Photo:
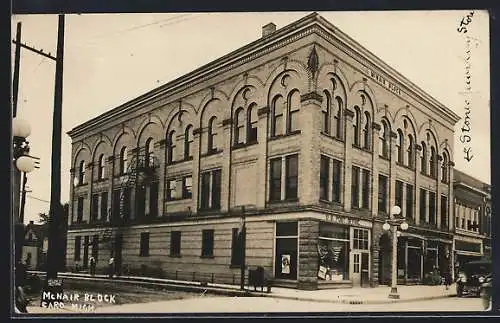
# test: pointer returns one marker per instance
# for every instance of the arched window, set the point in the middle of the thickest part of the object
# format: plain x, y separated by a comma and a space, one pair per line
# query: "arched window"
338, 118
123, 160
409, 151
252, 120
355, 126
293, 111
100, 167
423, 159
325, 112
432, 163
277, 116
188, 142
366, 131
148, 152
171, 146
400, 146
81, 173
444, 168
384, 139
212, 135
239, 126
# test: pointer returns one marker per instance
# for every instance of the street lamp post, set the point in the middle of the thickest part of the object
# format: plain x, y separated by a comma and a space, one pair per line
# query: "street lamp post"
23, 164
395, 221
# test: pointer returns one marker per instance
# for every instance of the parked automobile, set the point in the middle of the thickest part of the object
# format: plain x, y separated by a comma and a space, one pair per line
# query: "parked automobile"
471, 276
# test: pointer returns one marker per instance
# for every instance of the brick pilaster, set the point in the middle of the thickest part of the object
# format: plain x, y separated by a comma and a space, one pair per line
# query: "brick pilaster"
375, 158
310, 125
196, 168
308, 254
262, 173
226, 165
348, 160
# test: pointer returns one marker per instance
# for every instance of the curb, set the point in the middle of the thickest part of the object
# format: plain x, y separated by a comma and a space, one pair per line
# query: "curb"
197, 287
339, 300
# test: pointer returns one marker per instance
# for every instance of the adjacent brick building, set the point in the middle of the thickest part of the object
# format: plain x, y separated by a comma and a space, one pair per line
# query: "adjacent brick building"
303, 133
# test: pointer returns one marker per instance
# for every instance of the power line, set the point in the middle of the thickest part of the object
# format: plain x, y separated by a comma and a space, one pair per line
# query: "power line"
37, 198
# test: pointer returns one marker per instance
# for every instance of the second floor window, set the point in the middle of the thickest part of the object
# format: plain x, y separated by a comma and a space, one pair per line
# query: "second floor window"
355, 186
79, 214
366, 131
104, 206
400, 147
432, 208
433, 163
325, 112
95, 207
292, 175
148, 153
384, 139
365, 190
323, 177
356, 127
275, 179
444, 168
382, 193
409, 201
423, 159
423, 205
293, 112
399, 194
187, 187
210, 190
444, 212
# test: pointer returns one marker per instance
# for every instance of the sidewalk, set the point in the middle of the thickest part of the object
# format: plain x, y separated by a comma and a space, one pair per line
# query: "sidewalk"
357, 295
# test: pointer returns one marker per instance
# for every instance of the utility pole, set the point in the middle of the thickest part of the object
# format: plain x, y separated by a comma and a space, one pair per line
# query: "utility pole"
54, 248
17, 62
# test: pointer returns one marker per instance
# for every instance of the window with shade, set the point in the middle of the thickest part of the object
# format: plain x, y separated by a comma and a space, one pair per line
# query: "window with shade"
171, 144
423, 205
355, 186
423, 159
293, 112
444, 212
123, 160
188, 142
212, 135
338, 118
210, 190
292, 175
239, 127
323, 177
409, 201
252, 120
148, 153
365, 189
384, 133
399, 194
325, 112
100, 167
382, 193
356, 126
432, 208
366, 131
81, 173
277, 116
275, 179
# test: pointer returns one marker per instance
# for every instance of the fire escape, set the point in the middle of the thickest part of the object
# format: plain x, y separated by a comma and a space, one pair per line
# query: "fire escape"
141, 173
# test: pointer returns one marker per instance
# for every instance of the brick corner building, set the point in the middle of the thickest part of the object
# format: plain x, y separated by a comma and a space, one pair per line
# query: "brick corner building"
304, 135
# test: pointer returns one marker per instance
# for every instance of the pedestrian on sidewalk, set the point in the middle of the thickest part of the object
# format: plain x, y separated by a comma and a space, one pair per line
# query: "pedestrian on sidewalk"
447, 279
111, 267
20, 281
92, 266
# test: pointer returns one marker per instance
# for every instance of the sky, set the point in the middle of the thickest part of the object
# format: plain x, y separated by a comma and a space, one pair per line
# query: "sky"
112, 58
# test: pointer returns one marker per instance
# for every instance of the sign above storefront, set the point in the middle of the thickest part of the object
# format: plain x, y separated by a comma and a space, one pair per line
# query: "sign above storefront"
347, 221
382, 81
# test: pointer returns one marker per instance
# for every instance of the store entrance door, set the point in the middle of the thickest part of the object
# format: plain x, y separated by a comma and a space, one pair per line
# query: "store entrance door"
356, 268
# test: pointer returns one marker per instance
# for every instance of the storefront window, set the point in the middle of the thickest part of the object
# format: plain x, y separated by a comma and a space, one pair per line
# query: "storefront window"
333, 249
286, 250
431, 258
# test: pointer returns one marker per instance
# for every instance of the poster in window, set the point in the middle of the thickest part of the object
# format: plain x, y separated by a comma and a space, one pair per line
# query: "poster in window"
285, 264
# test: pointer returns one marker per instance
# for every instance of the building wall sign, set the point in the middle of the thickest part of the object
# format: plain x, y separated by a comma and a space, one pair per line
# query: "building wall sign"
382, 81
346, 221
467, 246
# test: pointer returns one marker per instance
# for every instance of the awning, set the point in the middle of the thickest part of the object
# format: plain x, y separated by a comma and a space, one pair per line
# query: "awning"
440, 240
468, 253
